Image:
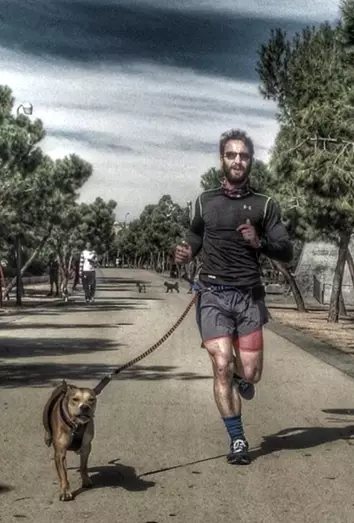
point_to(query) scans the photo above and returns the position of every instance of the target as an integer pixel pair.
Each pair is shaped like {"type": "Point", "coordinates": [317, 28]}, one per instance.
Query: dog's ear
{"type": "Point", "coordinates": [67, 386]}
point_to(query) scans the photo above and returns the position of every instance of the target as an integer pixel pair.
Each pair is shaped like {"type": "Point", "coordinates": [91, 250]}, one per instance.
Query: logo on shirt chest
{"type": "Point", "coordinates": [247, 207]}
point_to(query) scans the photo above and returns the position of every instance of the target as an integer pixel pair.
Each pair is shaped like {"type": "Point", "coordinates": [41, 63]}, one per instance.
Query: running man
{"type": "Point", "coordinates": [231, 227]}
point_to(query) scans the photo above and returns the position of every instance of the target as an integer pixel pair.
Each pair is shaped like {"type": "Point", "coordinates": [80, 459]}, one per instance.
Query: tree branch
{"type": "Point", "coordinates": [297, 146]}
{"type": "Point", "coordinates": [332, 140]}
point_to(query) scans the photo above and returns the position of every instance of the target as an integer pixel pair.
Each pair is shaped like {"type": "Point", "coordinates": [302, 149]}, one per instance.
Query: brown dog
{"type": "Point", "coordinates": [171, 286]}
{"type": "Point", "coordinates": [68, 423]}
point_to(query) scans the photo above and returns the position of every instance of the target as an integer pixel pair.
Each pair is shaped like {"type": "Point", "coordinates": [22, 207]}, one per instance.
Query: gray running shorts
{"type": "Point", "coordinates": [226, 311]}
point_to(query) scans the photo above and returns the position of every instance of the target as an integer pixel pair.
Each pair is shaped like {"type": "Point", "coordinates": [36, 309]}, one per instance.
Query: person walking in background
{"type": "Point", "coordinates": [88, 264]}
{"type": "Point", "coordinates": [53, 275]}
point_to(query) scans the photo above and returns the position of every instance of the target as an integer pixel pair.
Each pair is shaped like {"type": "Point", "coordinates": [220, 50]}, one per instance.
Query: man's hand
{"type": "Point", "coordinates": [183, 253]}
{"type": "Point", "coordinates": [249, 234]}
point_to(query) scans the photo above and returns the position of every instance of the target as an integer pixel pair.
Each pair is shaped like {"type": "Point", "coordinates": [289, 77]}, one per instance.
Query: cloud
{"type": "Point", "coordinates": [143, 90]}
{"type": "Point", "coordinates": [166, 125]}
{"type": "Point", "coordinates": [219, 41]}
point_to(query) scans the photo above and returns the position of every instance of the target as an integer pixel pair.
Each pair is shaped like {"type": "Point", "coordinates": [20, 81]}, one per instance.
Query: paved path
{"type": "Point", "coordinates": [159, 451]}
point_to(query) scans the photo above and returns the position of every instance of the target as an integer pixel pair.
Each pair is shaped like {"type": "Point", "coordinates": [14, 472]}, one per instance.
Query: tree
{"type": "Point", "coordinates": [211, 179]}
{"type": "Point", "coordinates": [149, 239]}
{"type": "Point", "coordinates": [313, 157]}
{"type": "Point", "coordinates": [19, 159]}
{"type": "Point", "coordinates": [79, 224]}
{"type": "Point", "coordinates": [38, 194]}
{"type": "Point", "coordinates": [97, 220]}
{"type": "Point", "coordinates": [260, 177]}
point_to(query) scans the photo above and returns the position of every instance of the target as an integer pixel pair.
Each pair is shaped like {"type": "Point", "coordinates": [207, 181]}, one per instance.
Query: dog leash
{"type": "Point", "coordinates": [106, 379]}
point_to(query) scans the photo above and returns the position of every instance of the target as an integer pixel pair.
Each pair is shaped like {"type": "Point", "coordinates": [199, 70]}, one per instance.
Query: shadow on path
{"type": "Point", "coordinates": [50, 374]}
{"type": "Point", "coordinates": [59, 326]}
{"type": "Point", "coordinates": [116, 475]}
{"type": "Point", "coordinates": [182, 465]}
{"type": "Point", "coordinates": [303, 438]}
{"type": "Point", "coordinates": [39, 347]}
{"type": "Point", "coordinates": [5, 488]}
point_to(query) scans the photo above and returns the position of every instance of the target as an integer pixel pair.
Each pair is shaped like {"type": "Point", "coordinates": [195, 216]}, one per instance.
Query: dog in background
{"type": "Point", "coordinates": [65, 294]}
{"type": "Point", "coordinates": [68, 420]}
{"type": "Point", "coordinates": [141, 286]}
{"type": "Point", "coordinates": [170, 287]}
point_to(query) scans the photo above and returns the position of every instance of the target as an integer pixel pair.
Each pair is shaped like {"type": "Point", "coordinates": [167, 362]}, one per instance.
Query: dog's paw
{"type": "Point", "coordinates": [87, 483]}
{"type": "Point", "coordinates": [66, 495]}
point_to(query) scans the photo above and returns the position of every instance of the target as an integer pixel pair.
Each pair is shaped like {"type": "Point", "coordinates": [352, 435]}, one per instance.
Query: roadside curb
{"type": "Point", "coordinates": [324, 351]}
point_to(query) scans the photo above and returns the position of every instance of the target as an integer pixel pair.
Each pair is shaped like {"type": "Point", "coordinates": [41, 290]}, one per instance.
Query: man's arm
{"type": "Point", "coordinates": [196, 230]}
{"type": "Point", "coordinates": [275, 243]}
{"type": "Point", "coordinates": [81, 266]}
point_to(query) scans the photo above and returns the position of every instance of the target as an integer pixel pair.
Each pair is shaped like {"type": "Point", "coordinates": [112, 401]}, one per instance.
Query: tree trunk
{"type": "Point", "coordinates": [65, 271]}
{"type": "Point", "coordinates": [350, 263]}
{"type": "Point", "coordinates": [333, 312]}
{"type": "Point", "coordinates": [2, 282]}
{"type": "Point", "coordinates": [342, 307]}
{"type": "Point", "coordinates": [299, 300]}
{"type": "Point", "coordinates": [179, 271]}
{"type": "Point", "coordinates": [27, 264]}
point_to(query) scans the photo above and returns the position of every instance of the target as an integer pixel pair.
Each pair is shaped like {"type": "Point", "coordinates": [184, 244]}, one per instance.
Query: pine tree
{"type": "Point", "coordinates": [313, 157]}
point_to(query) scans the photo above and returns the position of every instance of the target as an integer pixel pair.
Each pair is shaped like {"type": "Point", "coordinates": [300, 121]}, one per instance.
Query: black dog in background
{"type": "Point", "coordinates": [170, 287]}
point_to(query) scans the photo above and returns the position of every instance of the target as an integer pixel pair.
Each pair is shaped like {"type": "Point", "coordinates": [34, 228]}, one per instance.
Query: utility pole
{"type": "Point", "coordinates": [27, 109]}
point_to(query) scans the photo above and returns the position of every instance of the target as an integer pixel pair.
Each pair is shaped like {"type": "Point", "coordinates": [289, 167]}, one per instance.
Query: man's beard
{"type": "Point", "coordinates": [241, 179]}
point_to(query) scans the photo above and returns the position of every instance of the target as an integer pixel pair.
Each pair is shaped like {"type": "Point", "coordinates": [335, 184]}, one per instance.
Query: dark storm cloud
{"type": "Point", "coordinates": [207, 106]}
{"type": "Point", "coordinates": [223, 44]}
{"type": "Point", "coordinates": [94, 139]}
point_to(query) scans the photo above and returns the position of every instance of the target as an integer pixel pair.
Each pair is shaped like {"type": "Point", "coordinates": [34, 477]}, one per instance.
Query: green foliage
{"type": "Point", "coordinates": [96, 224]}
{"type": "Point", "coordinates": [39, 195]}
{"type": "Point", "coordinates": [211, 179]}
{"type": "Point", "coordinates": [261, 178]}
{"type": "Point", "coordinates": [158, 228]}
{"type": "Point", "coordinates": [313, 157]}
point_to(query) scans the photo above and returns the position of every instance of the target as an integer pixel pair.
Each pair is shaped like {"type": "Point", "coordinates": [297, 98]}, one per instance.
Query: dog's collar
{"type": "Point", "coordinates": [66, 417]}
{"type": "Point", "coordinates": [77, 429]}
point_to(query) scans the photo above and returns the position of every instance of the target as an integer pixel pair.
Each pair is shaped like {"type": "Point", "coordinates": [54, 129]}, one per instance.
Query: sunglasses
{"type": "Point", "coordinates": [244, 157]}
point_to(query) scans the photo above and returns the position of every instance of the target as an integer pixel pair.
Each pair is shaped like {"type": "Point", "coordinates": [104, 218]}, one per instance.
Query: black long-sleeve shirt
{"type": "Point", "coordinates": [226, 257]}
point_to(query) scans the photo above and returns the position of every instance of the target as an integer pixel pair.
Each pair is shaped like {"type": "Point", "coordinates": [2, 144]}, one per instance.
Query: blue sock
{"type": "Point", "coordinates": [234, 427]}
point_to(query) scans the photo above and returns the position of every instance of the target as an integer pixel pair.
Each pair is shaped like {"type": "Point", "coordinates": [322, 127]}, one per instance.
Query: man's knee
{"type": "Point", "coordinates": [252, 373]}
{"type": "Point", "coordinates": [223, 368]}
{"type": "Point", "coordinates": [220, 352]}
{"type": "Point", "coordinates": [249, 349]}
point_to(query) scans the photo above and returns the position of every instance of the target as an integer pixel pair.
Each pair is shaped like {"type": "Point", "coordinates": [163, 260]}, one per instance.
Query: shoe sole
{"type": "Point", "coordinates": [246, 396]}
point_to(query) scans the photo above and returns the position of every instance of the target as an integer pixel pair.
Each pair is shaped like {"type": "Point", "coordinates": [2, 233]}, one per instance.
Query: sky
{"type": "Point", "coordinates": [142, 89]}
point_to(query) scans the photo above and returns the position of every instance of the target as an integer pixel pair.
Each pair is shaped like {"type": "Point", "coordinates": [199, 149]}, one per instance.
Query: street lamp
{"type": "Point", "coordinates": [27, 108]}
